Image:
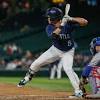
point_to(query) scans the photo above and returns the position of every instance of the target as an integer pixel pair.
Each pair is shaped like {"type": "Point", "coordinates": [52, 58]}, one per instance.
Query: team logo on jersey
{"type": "Point", "coordinates": [64, 36]}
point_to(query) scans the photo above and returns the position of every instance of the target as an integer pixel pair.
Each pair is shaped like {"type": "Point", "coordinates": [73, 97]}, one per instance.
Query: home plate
{"type": "Point", "coordinates": [93, 96]}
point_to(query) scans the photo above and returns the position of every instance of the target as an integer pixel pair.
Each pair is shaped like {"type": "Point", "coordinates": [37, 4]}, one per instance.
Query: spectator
{"type": "Point", "coordinates": [55, 68]}
{"type": "Point", "coordinates": [12, 65]}
{"type": "Point", "coordinates": [27, 59]}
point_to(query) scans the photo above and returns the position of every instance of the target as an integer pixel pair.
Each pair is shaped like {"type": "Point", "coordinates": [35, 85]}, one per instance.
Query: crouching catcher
{"type": "Point", "coordinates": [91, 72]}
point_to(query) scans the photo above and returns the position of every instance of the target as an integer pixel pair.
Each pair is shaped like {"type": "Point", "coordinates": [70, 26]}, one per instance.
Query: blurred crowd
{"type": "Point", "coordinates": [8, 8]}
{"type": "Point", "coordinates": [81, 59]}
{"type": "Point", "coordinates": [16, 13]}
{"type": "Point", "coordinates": [13, 57]}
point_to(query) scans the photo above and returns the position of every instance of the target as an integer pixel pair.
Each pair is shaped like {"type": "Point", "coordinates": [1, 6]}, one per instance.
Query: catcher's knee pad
{"type": "Point", "coordinates": [95, 79]}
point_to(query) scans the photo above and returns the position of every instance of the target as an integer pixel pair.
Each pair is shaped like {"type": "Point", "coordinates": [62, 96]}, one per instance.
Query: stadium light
{"type": "Point", "coordinates": [58, 1]}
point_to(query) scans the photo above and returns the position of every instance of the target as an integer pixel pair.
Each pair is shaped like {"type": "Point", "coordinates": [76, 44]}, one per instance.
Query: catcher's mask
{"type": "Point", "coordinates": [95, 42]}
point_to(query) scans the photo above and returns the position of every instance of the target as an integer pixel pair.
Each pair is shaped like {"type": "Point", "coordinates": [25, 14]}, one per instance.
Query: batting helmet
{"type": "Point", "coordinates": [94, 42]}
{"type": "Point", "coordinates": [54, 13]}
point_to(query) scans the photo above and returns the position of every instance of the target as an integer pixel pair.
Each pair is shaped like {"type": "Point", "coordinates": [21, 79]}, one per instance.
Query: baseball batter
{"type": "Point", "coordinates": [60, 31]}
{"type": "Point", "coordinates": [92, 70]}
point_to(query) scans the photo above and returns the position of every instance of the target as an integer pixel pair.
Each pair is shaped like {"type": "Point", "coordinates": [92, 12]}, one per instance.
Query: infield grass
{"type": "Point", "coordinates": [62, 84]}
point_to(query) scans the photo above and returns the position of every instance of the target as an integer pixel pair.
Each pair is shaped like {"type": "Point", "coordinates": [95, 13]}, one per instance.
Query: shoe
{"type": "Point", "coordinates": [27, 78]}
{"type": "Point", "coordinates": [79, 93]}
{"type": "Point", "coordinates": [22, 83]}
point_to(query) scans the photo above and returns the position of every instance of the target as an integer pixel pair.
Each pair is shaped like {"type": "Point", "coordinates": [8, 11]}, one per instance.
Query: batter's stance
{"type": "Point", "coordinates": [62, 46]}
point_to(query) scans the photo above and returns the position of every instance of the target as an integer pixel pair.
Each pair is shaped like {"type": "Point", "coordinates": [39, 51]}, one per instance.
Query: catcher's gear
{"type": "Point", "coordinates": [54, 14]}
{"type": "Point", "coordinates": [95, 42]}
{"type": "Point", "coordinates": [83, 82]}
{"type": "Point", "coordinates": [86, 71]}
{"type": "Point", "coordinates": [95, 79]}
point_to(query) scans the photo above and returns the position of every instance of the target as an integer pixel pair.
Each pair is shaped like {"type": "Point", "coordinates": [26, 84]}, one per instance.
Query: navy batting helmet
{"type": "Point", "coordinates": [95, 42]}
{"type": "Point", "coordinates": [54, 13]}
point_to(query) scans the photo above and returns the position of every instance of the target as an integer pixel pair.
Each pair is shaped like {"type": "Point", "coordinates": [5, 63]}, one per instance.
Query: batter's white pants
{"type": "Point", "coordinates": [53, 54]}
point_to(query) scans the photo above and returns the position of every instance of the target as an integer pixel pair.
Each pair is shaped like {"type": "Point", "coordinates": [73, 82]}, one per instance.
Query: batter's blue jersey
{"type": "Point", "coordinates": [65, 41]}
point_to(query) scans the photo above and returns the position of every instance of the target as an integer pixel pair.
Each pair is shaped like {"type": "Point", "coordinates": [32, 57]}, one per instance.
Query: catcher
{"type": "Point", "coordinates": [91, 72]}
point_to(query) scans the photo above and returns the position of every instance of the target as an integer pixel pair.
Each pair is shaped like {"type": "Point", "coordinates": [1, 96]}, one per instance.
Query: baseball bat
{"type": "Point", "coordinates": [67, 8]}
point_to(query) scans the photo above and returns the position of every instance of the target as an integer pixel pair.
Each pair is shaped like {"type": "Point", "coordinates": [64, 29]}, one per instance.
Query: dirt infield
{"type": "Point", "coordinates": [12, 92]}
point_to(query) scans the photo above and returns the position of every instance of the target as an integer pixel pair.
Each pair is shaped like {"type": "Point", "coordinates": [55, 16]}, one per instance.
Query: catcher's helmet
{"type": "Point", "coordinates": [94, 42]}
{"type": "Point", "coordinates": [54, 13]}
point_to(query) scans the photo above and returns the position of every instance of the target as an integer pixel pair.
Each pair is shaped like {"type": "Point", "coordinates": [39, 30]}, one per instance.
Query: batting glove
{"type": "Point", "coordinates": [65, 19]}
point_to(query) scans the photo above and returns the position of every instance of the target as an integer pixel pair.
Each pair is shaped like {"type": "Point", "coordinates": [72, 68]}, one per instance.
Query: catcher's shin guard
{"type": "Point", "coordinates": [82, 84]}
{"type": "Point", "coordinates": [95, 79]}
{"type": "Point", "coordinates": [27, 78]}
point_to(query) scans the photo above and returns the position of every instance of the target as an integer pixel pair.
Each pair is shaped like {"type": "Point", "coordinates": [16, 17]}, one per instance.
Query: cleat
{"type": "Point", "coordinates": [22, 83]}
{"type": "Point", "coordinates": [79, 94]}
{"type": "Point", "coordinates": [27, 78]}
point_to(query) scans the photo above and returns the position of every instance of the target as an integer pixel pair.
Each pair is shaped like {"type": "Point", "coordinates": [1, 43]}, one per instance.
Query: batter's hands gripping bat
{"type": "Point", "coordinates": [66, 16]}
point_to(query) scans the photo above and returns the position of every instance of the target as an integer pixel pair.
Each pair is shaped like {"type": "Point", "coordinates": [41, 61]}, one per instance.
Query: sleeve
{"type": "Point", "coordinates": [49, 30]}
{"type": "Point", "coordinates": [74, 25]}
{"type": "Point", "coordinates": [95, 60]}
{"type": "Point", "coordinates": [86, 71]}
